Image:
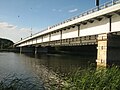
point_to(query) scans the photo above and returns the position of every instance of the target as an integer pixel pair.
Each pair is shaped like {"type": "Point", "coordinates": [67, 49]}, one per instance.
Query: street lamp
{"type": "Point", "coordinates": [31, 32]}
{"type": "Point", "coordinates": [97, 3]}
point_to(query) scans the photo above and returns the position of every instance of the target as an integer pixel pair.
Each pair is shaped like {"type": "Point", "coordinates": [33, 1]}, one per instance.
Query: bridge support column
{"type": "Point", "coordinates": [36, 50]}
{"type": "Point", "coordinates": [20, 50]}
{"type": "Point", "coordinates": [39, 49]}
{"type": "Point", "coordinates": [108, 50]}
{"type": "Point", "coordinates": [27, 49]}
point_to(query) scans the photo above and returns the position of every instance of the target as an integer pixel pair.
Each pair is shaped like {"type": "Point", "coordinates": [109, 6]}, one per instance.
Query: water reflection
{"type": "Point", "coordinates": [63, 63]}
{"type": "Point", "coordinates": [42, 66]}
{"type": "Point", "coordinates": [14, 65]}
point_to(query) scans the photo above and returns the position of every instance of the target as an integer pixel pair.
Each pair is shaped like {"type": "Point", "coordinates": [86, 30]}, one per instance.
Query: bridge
{"type": "Point", "coordinates": [98, 26]}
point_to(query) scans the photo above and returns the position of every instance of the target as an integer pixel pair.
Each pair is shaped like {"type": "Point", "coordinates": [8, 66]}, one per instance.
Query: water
{"type": "Point", "coordinates": [62, 62]}
{"type": "Point", "coordinates": [29, 65]}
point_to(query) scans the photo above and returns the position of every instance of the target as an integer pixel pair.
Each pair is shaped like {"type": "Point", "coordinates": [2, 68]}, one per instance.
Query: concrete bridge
{"type": "Point", "coordinates": [99, 26]}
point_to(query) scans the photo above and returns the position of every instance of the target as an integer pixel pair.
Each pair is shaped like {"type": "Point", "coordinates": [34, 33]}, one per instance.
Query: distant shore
{"type": "Point", "coordinates": [7, 50]}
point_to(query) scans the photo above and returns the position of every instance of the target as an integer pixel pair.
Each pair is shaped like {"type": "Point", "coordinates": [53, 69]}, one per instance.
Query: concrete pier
{"type": "Point", "coordinates": [36, 49]}
{"type": "Point", "coordinates": [108, 50]}
{"type": "Point", "coordinates": [27, 49]}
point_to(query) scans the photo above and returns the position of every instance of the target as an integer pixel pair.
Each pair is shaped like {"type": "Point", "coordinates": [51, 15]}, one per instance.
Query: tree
{"type": "Point", "coordinates": [5, 43]}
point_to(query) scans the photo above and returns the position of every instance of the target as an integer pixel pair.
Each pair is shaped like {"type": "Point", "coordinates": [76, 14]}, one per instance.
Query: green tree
{"type": "Point", "coordinates": [5, 43]}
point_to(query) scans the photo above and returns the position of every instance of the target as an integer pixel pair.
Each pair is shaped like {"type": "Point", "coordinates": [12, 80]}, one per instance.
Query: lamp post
{"type": "Point", "coordinates": [31, 32]}
{"type": "Point", "coordinates": [97, 2]}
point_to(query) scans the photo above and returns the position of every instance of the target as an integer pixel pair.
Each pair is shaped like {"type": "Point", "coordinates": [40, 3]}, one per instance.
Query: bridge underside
{"type": "Point", "coordinates": [78, 41]}
{"type": "Point", "coordinates": [105, 47]}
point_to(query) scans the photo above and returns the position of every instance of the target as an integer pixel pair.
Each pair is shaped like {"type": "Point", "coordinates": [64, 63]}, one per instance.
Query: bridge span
{"type": "Point", "coordinates": [98, 26]}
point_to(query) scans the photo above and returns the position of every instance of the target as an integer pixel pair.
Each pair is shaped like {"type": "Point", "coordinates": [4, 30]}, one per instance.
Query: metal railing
{"type": "Point", "coordinates": [103, 6]}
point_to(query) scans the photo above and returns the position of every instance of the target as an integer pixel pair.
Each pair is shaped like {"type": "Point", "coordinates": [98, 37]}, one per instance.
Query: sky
{"type": "Point", "coordinates": [20, 18]}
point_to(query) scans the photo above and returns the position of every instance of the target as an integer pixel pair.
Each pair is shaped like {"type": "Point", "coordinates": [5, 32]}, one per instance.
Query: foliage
{"type": "Point", "coordinates": [91, 79]}
{"type": "Point", "coordinates": [5, 43]}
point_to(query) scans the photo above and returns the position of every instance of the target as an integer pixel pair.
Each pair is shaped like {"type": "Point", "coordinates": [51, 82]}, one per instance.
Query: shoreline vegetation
{"type": "Point", "coordinates": [6, 45]}
{"type": "Point", "coordinates": [80, 79]}
{"type": "Point", "coordinates": [8, 50]}
{"type": "Point", "coordinates": [89, 79]}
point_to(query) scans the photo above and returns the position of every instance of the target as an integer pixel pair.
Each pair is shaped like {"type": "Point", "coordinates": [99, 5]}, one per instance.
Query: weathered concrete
{"type": "Point", "coordinates": [108, 49]}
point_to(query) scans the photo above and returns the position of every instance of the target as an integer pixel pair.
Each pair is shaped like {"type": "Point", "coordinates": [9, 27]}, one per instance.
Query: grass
{"type": "Point", "coordinates": [90, 79]}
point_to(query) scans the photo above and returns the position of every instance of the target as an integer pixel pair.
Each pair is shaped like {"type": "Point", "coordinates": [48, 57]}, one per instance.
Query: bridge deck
{"type": "Point", "coordinates": [75, 30]}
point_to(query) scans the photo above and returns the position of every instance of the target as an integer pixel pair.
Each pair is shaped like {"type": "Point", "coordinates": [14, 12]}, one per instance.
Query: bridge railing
{"type": "Point", "coordinates": [103, 6]}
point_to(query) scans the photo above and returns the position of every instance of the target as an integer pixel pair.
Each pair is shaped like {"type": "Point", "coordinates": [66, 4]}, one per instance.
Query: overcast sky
{"type": "Point", "coordinates": [17, 17]}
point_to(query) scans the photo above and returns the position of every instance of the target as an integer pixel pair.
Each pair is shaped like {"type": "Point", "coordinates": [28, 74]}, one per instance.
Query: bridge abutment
{"type": "Point", "coordinates": [108, 50]}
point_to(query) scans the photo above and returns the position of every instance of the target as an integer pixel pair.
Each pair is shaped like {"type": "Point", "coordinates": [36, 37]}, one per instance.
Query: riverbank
{"type": "Point", "coordinates": [90, 79]}
{"type": "Point", "coordinates": [80, 79]}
